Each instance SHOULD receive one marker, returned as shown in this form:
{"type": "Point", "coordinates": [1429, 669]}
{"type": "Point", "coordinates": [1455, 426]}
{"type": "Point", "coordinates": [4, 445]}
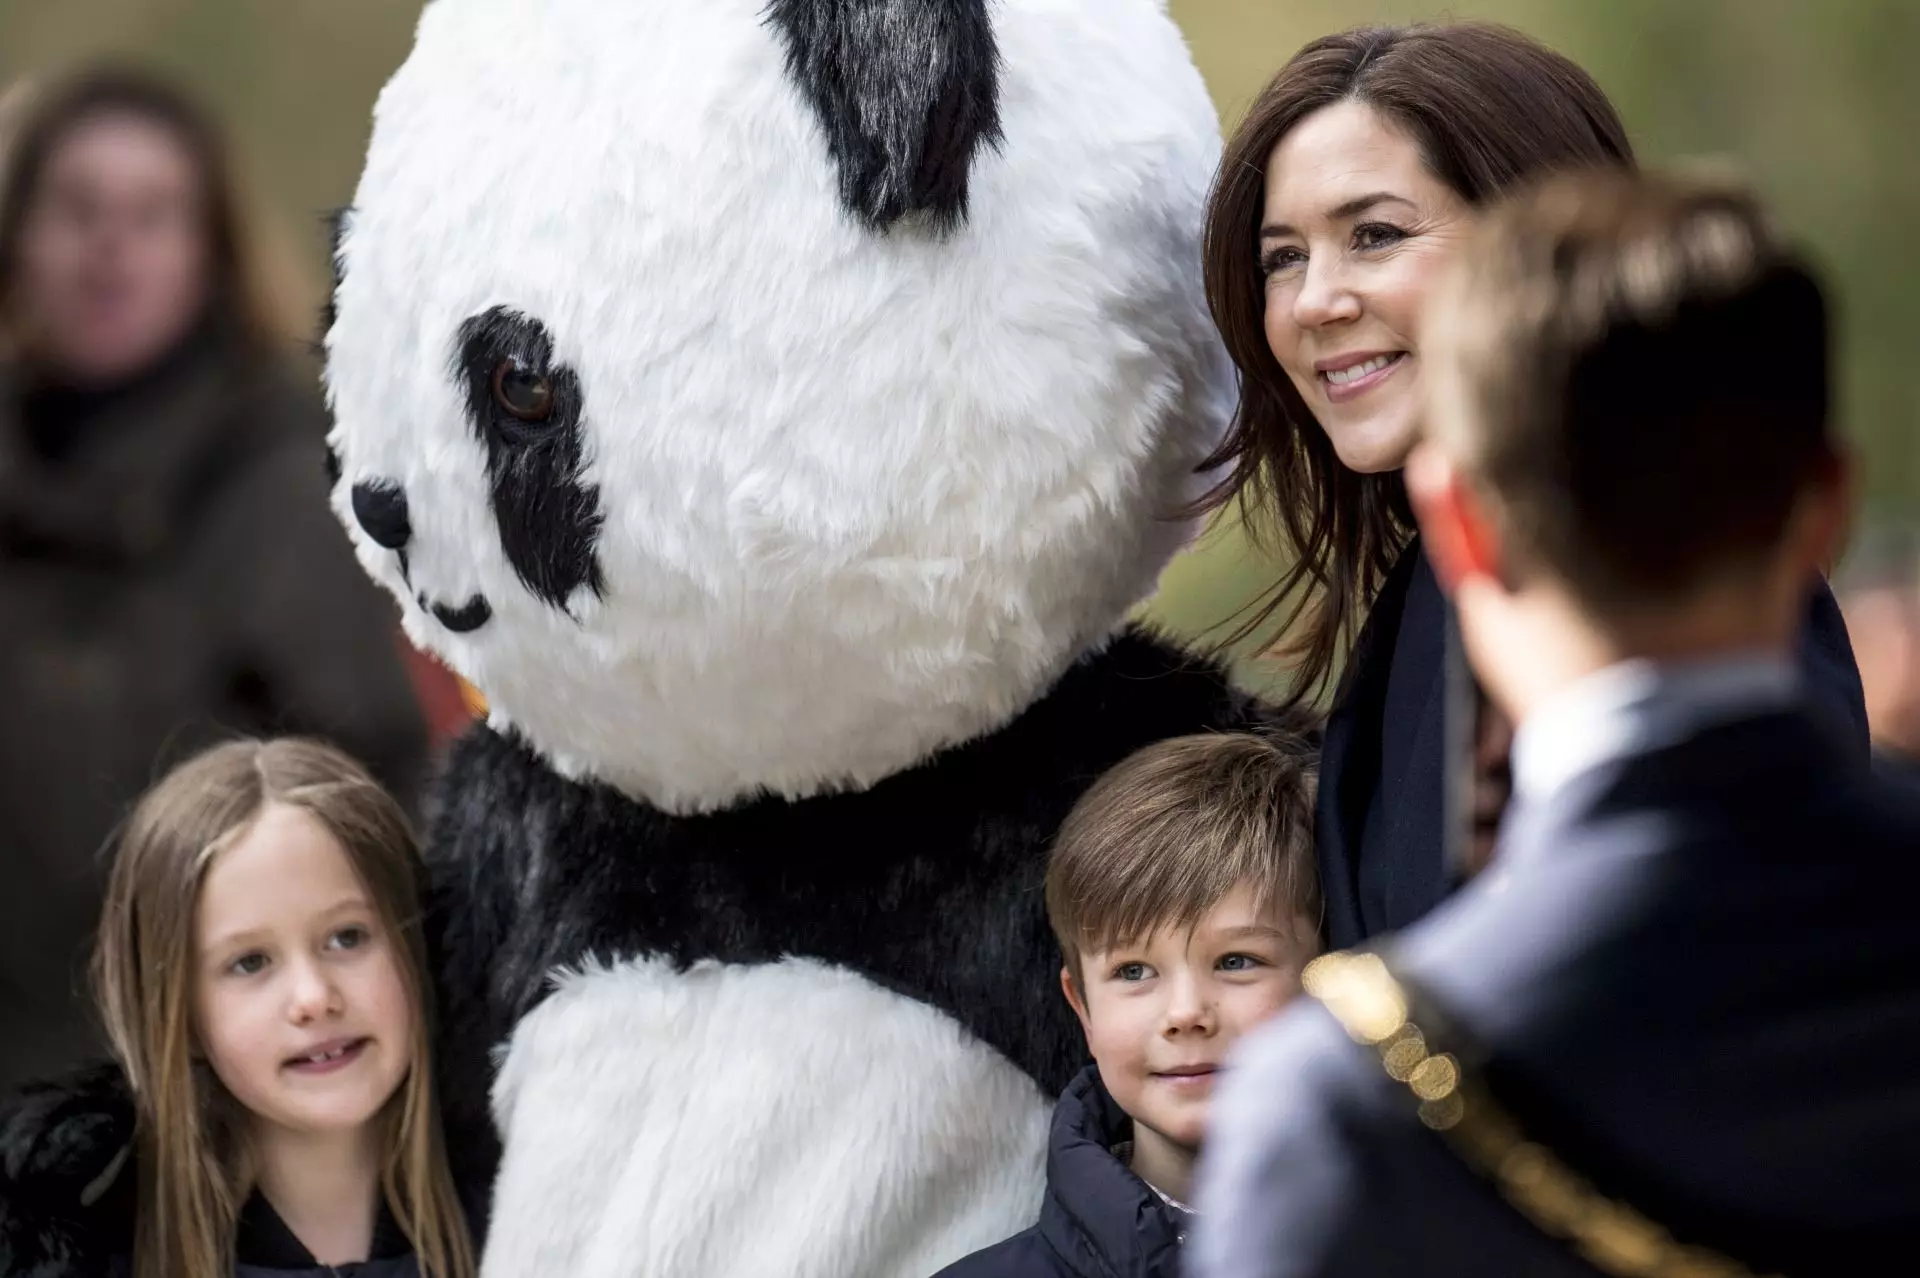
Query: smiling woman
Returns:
{"type": "Point", "coordinates": [1352, 181]}
{"type": "Point", "coordinates": [1354, 230]}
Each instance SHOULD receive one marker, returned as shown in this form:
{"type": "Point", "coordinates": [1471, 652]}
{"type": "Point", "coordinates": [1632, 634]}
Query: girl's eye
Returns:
{"type": "Point", "coordinates": [1131, 972]}
{"type": "Point", "coordinates": [248, 964]}
{"type": "Point", "coordinates": [1373, 235]}
{"type": "Point", "coordinates": [1279, 259]}
{"type": "Point", "coordinates": [1240, 963]}
{"type": "Point", "coordinates": [350, 938]}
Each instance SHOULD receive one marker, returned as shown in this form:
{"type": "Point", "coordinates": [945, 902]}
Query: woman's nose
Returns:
{"type": "Point", "coordinates": [1324, 296]}
{"type": "Point", "coordinates": [381, 509]}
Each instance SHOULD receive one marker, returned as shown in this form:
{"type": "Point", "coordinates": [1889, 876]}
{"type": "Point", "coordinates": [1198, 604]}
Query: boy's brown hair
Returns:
{"type": "Point", "coordinates": [1634, 370]}
{"type": "Point", "coordinates": [1163, 836]}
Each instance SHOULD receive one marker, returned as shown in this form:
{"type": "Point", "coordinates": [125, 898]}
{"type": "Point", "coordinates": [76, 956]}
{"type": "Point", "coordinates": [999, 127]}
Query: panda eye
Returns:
{"type": "Point", "coordinates": [522, 393]}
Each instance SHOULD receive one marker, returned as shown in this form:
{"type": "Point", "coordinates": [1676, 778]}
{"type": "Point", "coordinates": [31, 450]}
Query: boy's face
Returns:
{"type": "Point", "coordinates": [1160, 1014]}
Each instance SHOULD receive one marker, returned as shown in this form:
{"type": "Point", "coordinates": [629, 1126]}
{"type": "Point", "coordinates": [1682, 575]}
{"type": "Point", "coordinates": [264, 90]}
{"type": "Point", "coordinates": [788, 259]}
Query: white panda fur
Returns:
{"type": "Point", "coordinates": [737, 898]}
{"type": "Point", "coordinates": [874, 492]}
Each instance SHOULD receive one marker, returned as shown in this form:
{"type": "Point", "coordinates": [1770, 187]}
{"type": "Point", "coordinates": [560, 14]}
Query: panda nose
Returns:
{"type": "Point", "coordinates": [381, 508]}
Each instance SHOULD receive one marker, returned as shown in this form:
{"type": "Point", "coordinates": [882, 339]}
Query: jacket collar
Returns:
{"type": "Point", "coordinates": [263, 1239]}
{"type": "Point", "coordinates": [1100, 1218]}
{"type": "Point", "coordinates": [1350, 746]}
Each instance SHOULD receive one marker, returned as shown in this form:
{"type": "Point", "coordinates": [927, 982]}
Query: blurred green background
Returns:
{"type": "Point", "coordinates": [1814, 98]}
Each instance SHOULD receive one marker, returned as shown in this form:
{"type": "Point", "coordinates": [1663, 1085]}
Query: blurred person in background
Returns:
{"type": "Point", "coordinates": [1879, 589]}
{"type": "Point", "coordinates": [170, 571]}
{"type": "Point", "coordinates": [13, 100]}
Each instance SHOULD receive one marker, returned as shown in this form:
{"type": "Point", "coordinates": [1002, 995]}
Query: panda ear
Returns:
{"type": "Point", "coordinates": [906, 92]}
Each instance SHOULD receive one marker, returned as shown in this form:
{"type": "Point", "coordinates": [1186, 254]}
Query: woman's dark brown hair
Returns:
{"type": "Point", "coordinates": [1489, 108]}
{"type": "Point", "coordinates": [50, 117]}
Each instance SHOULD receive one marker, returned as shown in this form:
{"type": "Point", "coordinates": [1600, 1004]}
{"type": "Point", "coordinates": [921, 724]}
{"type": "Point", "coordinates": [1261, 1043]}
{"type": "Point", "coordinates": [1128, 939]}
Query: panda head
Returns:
{"type": "Point", "coordinates": [759, 397]}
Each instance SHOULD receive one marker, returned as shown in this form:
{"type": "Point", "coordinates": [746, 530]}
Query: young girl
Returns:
{"type": "Point", "coordinates": [262, 979]}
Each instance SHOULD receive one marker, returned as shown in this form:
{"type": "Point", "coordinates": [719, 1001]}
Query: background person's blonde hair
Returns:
{"type": "Point", "coordinates": [1162, 837]}
{"type": "Point", "coordinates": [190, 1155]}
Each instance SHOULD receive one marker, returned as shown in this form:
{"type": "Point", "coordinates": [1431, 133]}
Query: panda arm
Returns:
{"type": "Point", "coordinates": [477, 870]}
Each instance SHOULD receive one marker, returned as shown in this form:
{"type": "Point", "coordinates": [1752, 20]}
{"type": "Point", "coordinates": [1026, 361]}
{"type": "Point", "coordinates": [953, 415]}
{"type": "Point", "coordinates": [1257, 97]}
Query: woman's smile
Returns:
{"type": "Point", "coordinates": [1347, 377]}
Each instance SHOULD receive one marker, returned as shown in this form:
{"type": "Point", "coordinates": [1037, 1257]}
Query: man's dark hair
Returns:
{"type": "Point", "coordinates": [1636, 369]}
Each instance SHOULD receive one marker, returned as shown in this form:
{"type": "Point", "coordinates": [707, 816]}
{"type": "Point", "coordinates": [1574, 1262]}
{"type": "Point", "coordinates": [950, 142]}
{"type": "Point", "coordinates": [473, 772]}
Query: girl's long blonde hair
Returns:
{"type": "Point", "coordinates": [191, 1155]}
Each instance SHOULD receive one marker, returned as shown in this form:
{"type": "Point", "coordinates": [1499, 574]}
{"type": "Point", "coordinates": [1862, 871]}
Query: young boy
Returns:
{"type": "Point", "coordinates": [1674, 1028]}
{"type": "Point", "coordinates": [1183, 892]}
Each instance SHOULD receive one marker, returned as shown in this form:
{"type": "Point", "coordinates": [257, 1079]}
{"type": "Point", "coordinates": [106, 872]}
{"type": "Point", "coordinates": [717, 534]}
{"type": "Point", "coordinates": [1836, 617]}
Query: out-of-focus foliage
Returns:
{"type": "Point", "coordinates": [1814, 98]}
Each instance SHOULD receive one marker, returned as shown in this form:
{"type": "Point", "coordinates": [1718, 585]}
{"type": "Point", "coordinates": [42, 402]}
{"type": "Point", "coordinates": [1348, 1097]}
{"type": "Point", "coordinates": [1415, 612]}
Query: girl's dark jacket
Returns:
{"type": "Point", "coordinates": [67, 1194]}
{"type": "Point", "coordinates": [1099, 1220]}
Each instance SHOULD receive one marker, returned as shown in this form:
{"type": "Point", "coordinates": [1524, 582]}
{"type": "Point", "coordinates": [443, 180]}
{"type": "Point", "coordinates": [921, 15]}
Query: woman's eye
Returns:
{"type": "Point", "coordinates": [1279, 259]}
{"type": "Point", "coordinates": [521, 392]}
{"type": "Point", "coordinates": [1240, 963]}
{"type": "Point", "coordinates": [248, 965]}
{"type": "Point", "coordinates": [1372, 235]}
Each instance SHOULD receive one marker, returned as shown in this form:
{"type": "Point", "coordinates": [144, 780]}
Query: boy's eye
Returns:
{"type": "Point", "coordinates": [248, 964]}
{"type": "Point", "coordinates": [1131, 972]}
{"type": "Point", "coordinates": [1240, 962]}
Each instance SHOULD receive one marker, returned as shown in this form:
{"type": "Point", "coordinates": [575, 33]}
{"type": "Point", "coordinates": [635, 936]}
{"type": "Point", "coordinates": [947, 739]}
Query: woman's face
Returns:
{"type": "Point", "coordinates": [114, 252]}
{"type": "Point", "coordinates": [1354, 232]}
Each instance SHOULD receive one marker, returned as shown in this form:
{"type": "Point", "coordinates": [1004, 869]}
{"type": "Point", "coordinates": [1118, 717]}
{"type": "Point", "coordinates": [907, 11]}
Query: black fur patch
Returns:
{"type": "Point", "coordinates": [336, 224]}
{"type": "Point", "coordinates": [907, 92]}
{"type": "Point", "coordinates": [65, 1210]}
{"type": "Point", "coordinates": [549, 519]}
{"type": "Point", "coordinates": [333, 467]}
{"type": "Point", "coordinates": [930, 883]}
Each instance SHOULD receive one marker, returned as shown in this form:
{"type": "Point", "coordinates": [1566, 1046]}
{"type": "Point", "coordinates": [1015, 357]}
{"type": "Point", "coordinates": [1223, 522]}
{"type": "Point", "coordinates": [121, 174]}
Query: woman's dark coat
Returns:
{"type": "Point", "coordinates": [1380, 821]}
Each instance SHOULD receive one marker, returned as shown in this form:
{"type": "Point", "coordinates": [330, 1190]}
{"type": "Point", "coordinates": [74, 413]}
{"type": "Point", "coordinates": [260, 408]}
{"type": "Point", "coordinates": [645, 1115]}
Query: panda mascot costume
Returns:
{"type": "Point", "coordinates": [775, 408]}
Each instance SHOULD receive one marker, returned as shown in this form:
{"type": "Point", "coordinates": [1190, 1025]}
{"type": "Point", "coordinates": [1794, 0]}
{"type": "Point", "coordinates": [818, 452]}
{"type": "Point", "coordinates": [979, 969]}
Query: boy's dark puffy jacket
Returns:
{"type": "Point", "coordinates": [1099, 1220]}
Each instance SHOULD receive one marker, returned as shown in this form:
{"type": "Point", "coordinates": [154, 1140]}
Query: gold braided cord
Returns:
{"type": "Point", "coordinates": [1367, 1000]}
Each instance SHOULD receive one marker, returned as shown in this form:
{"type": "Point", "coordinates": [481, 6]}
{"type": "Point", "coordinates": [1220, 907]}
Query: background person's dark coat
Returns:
{"type": "Point", "coordinates": [170, 573]}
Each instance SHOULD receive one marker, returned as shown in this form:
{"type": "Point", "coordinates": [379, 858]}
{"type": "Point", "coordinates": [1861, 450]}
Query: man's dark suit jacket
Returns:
{"type": "Point", "coordinates": [1379, 828]}
{"type": "Point", "coordinates": [1697, 974]}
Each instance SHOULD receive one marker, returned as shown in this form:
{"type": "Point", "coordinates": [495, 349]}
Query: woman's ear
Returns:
{"type": "Point", "coordinates": [906, 94]}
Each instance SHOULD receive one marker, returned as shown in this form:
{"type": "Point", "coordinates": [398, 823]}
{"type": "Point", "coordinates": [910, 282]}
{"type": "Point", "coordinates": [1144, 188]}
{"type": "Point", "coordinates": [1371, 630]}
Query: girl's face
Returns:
{"type": "Point", "coordinates": [1352, 238]}
{"type": "Point", "coordinates": [113, 251]}
{"type": "Point", "coordinates": [300, 1005]}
